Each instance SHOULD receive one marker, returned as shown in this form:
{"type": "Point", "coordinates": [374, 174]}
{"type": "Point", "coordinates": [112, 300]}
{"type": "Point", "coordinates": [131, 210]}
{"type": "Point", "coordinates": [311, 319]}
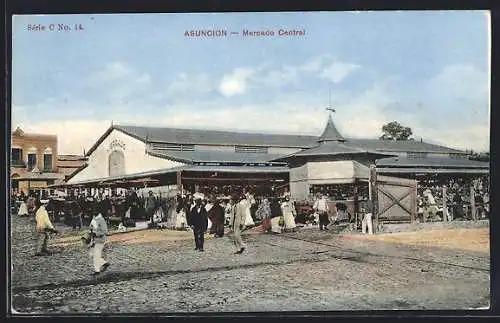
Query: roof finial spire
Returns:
{"type": "Point", "coordinates": [329, 107]}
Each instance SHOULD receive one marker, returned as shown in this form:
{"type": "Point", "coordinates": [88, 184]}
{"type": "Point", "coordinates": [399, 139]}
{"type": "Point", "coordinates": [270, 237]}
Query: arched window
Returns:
{"type": "Point", "coordinates": [116, 163]}
{"type": "Point", "coordinates": [31, 158]}
{"type": "Point", "coordinates": [47, 159]}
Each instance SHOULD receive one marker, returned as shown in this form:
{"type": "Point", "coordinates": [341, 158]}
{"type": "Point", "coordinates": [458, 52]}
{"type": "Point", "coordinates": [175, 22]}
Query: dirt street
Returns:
{"type": "Point", "coordinates": [159, 271]}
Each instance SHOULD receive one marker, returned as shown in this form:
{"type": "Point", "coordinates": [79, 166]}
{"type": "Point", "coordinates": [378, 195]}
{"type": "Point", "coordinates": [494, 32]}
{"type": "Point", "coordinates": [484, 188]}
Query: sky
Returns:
{"type": "Point", "coordinates": [427, 70]}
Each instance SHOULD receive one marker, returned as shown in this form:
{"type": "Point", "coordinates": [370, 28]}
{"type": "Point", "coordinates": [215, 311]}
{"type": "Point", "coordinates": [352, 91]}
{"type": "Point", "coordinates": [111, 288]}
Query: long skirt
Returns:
{"type": "Point", "coordinates": [23, 210]}
{"type": "Point", "coordinates": [289, 220]}
{"type": "Point", "coordinates": [180, 220]}
{"type": "Point", "coordinates": [275, 226]}
{"type": "Point", "coordinates": [248, 218]}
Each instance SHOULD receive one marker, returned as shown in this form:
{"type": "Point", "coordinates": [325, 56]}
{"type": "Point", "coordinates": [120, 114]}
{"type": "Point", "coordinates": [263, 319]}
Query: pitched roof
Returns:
{"type": "Point", "coordinates": [429, 162]}
{"type": "Point", "coordinates": [330, 133]}
{"type": "Point", "coordinates": [214, 157]}
{"type": "Point", "coordinates": [399, 145]}
{"type": "Point", "coordinates": [218, 137]}
{"type": "Point", "coordinates": [425, 170]}
{"type": "Point", "coordinates": [215, 137]}
{"type": "Point", "coordinates": [333, 148]}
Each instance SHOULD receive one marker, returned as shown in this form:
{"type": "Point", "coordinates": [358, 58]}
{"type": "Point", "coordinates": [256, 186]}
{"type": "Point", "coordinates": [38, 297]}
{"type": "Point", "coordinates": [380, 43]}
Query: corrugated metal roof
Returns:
{"type": "Point", "coordinates": [215, 156]}
{"type": "Point", "coordinates": [333, 148]}
{"type": "Point", "coordinates": [216, 137]}
{"type": "Point", "coordinates": [330, 133]}
{"type": "Point", "coordinates": [219, 137]}
{"type": "Point", "coordinates": [442, 162]}
{"type": "Point", "coordinates": [399, 145]}
{"type": "Point", "coordinates": [422, 170]}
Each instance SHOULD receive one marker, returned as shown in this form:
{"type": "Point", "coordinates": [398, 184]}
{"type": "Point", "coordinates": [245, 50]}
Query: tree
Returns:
{"type": "Point", "coordinates": [395, 131]}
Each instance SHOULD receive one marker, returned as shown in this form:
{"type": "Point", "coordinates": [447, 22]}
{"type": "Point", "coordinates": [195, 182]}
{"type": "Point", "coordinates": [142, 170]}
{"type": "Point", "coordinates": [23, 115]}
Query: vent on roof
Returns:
{"type": "Point", "coordinates": [172, 147]}
{"type": "Point", "coordinates": [416, 155]}
{"type": "Point", "coordinates": [251, 149]}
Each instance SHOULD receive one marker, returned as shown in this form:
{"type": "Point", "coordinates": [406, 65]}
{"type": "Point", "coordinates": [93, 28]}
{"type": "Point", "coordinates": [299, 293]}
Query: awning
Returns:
{"type": "Point", "coordinates": [146, 177]}
{"type": "Point", "coordinates": [426, 171]}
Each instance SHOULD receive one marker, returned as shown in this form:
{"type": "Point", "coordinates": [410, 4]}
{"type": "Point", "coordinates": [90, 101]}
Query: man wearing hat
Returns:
{"type": "Point", "coordinates": [198, 220]}
{"type": "Point", "coordinates": [150, 206]}
{"type": "Point", "coordinates": [321, 206]}
{"type": "Point", "coordinates": [98, 233]}
{"type": "Point", "coordinates": [238, 215]}
{"type": "Point", "coordinates": [43, 228]}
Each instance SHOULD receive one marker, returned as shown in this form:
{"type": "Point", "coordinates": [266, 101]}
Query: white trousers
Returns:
{"type": "Point", "coordinates": [95, 254]}
{"type": "Point", "coordinates": [367, 224]}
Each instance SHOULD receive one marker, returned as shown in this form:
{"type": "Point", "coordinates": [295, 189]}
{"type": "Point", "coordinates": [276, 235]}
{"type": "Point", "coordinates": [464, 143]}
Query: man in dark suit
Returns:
{"type": "Point", "coordinates": [198, 220]}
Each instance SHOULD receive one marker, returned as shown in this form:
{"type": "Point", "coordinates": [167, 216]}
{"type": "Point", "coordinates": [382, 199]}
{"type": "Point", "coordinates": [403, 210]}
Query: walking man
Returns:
{"type": "Point", "coordinates": [367, 224]}
{"type": "Point", "coordinates": [150, 206]}
{"type": "Point", "coordinates": [43, 228]}
{"type": "Point", "coordinates": [321, 207]}
{"type": "Point", "coordinates": [238, 215]}
{"type": "Point", "coordinates": [98, 232]}
{"type": "Point", "coordinates": [198, 220]}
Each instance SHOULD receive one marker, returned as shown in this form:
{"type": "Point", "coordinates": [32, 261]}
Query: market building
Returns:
{"type": "Point", "coordinates": [191, 159]}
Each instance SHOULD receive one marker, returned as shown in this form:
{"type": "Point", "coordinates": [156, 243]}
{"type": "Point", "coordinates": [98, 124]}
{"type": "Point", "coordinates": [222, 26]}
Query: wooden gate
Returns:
{"type": "Point", "coordinates": [396, 199]}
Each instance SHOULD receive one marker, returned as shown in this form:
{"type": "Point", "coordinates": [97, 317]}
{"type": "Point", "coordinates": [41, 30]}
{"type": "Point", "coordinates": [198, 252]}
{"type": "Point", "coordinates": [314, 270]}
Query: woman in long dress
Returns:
{"type": "Point", "coordinates": [23, 209]}
{"type": "Point", "coordinates": [264, 213]}
{"type": "Point", "coordinates": [248, 215]}
{"type": "Point", "coordinates": [288, 214]}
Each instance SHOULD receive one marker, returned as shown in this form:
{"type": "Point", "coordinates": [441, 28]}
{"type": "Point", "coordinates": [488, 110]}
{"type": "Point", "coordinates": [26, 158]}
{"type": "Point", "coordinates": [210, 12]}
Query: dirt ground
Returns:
{"type": "Point", "coordinates": [477, 240]}
{"type": "Point", "coordinates": [308, 270]}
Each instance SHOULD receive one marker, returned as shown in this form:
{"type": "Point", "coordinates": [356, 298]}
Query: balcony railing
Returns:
{"type": "Point", "coordinates": [17, 163]}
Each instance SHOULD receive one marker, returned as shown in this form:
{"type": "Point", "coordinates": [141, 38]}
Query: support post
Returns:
{"type": "Point", "coordinates": [472, 201]}
{"type": "Point", "coordinates": [413, 214]}
{"type": "Point", "coordinates": [445, 208]}
{"type": "Point", "coordinates": [179, 182]}
{"type": "Point", "coordinates": [374, 197]}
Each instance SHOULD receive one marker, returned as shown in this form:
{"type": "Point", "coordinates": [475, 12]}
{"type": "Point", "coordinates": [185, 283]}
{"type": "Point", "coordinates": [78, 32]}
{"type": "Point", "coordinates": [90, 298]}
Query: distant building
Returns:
{"type": "Point", "coordinates": [35, 163]}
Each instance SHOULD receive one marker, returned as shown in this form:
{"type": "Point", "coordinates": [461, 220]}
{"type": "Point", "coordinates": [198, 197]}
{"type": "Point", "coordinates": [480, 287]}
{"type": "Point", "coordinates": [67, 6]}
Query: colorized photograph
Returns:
{"type": "Point", "coordinates": [250, 162]}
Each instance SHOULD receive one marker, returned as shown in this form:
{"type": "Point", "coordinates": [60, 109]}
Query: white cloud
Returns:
{"type": "Point", "coordinates": [338, 71]}
{"type": "Point", "coordinates": [190, 85]}
{"type": "Point", "coordinates": [459, 81]}
{"type": "Point", "coordinates": [315, 63]}
{"type": "Point", "coordinates": [119, 81]}
{"type": "Point", "coordinates": [280, 77]}
{"type": "Point", "coordinates": [236, 82]}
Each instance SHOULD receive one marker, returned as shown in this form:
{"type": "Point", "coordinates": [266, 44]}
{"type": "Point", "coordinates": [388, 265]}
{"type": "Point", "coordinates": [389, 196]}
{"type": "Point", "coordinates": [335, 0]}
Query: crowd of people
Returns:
{"type": "Point", "coordinates": [458, 199]}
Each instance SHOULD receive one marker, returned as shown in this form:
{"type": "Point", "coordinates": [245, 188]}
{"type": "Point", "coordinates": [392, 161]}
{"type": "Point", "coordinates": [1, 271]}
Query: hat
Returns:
{"type": "Point", "coordinates": [44, 201]}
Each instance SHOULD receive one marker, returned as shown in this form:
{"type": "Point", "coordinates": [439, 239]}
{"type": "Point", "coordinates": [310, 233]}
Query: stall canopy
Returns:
{"type": "Point", "coordinates": [168, 176]}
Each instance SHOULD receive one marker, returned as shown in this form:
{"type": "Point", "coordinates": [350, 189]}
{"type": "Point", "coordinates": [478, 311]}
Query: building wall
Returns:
{"type": "Point", "coordinates": [136, 159]}
{"type": "Point", "coordinates": [299, 190]}
{"type": "Point", "coordinates": [40, 143]}
{"type": "Point", "coordinates": [342, 169]}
